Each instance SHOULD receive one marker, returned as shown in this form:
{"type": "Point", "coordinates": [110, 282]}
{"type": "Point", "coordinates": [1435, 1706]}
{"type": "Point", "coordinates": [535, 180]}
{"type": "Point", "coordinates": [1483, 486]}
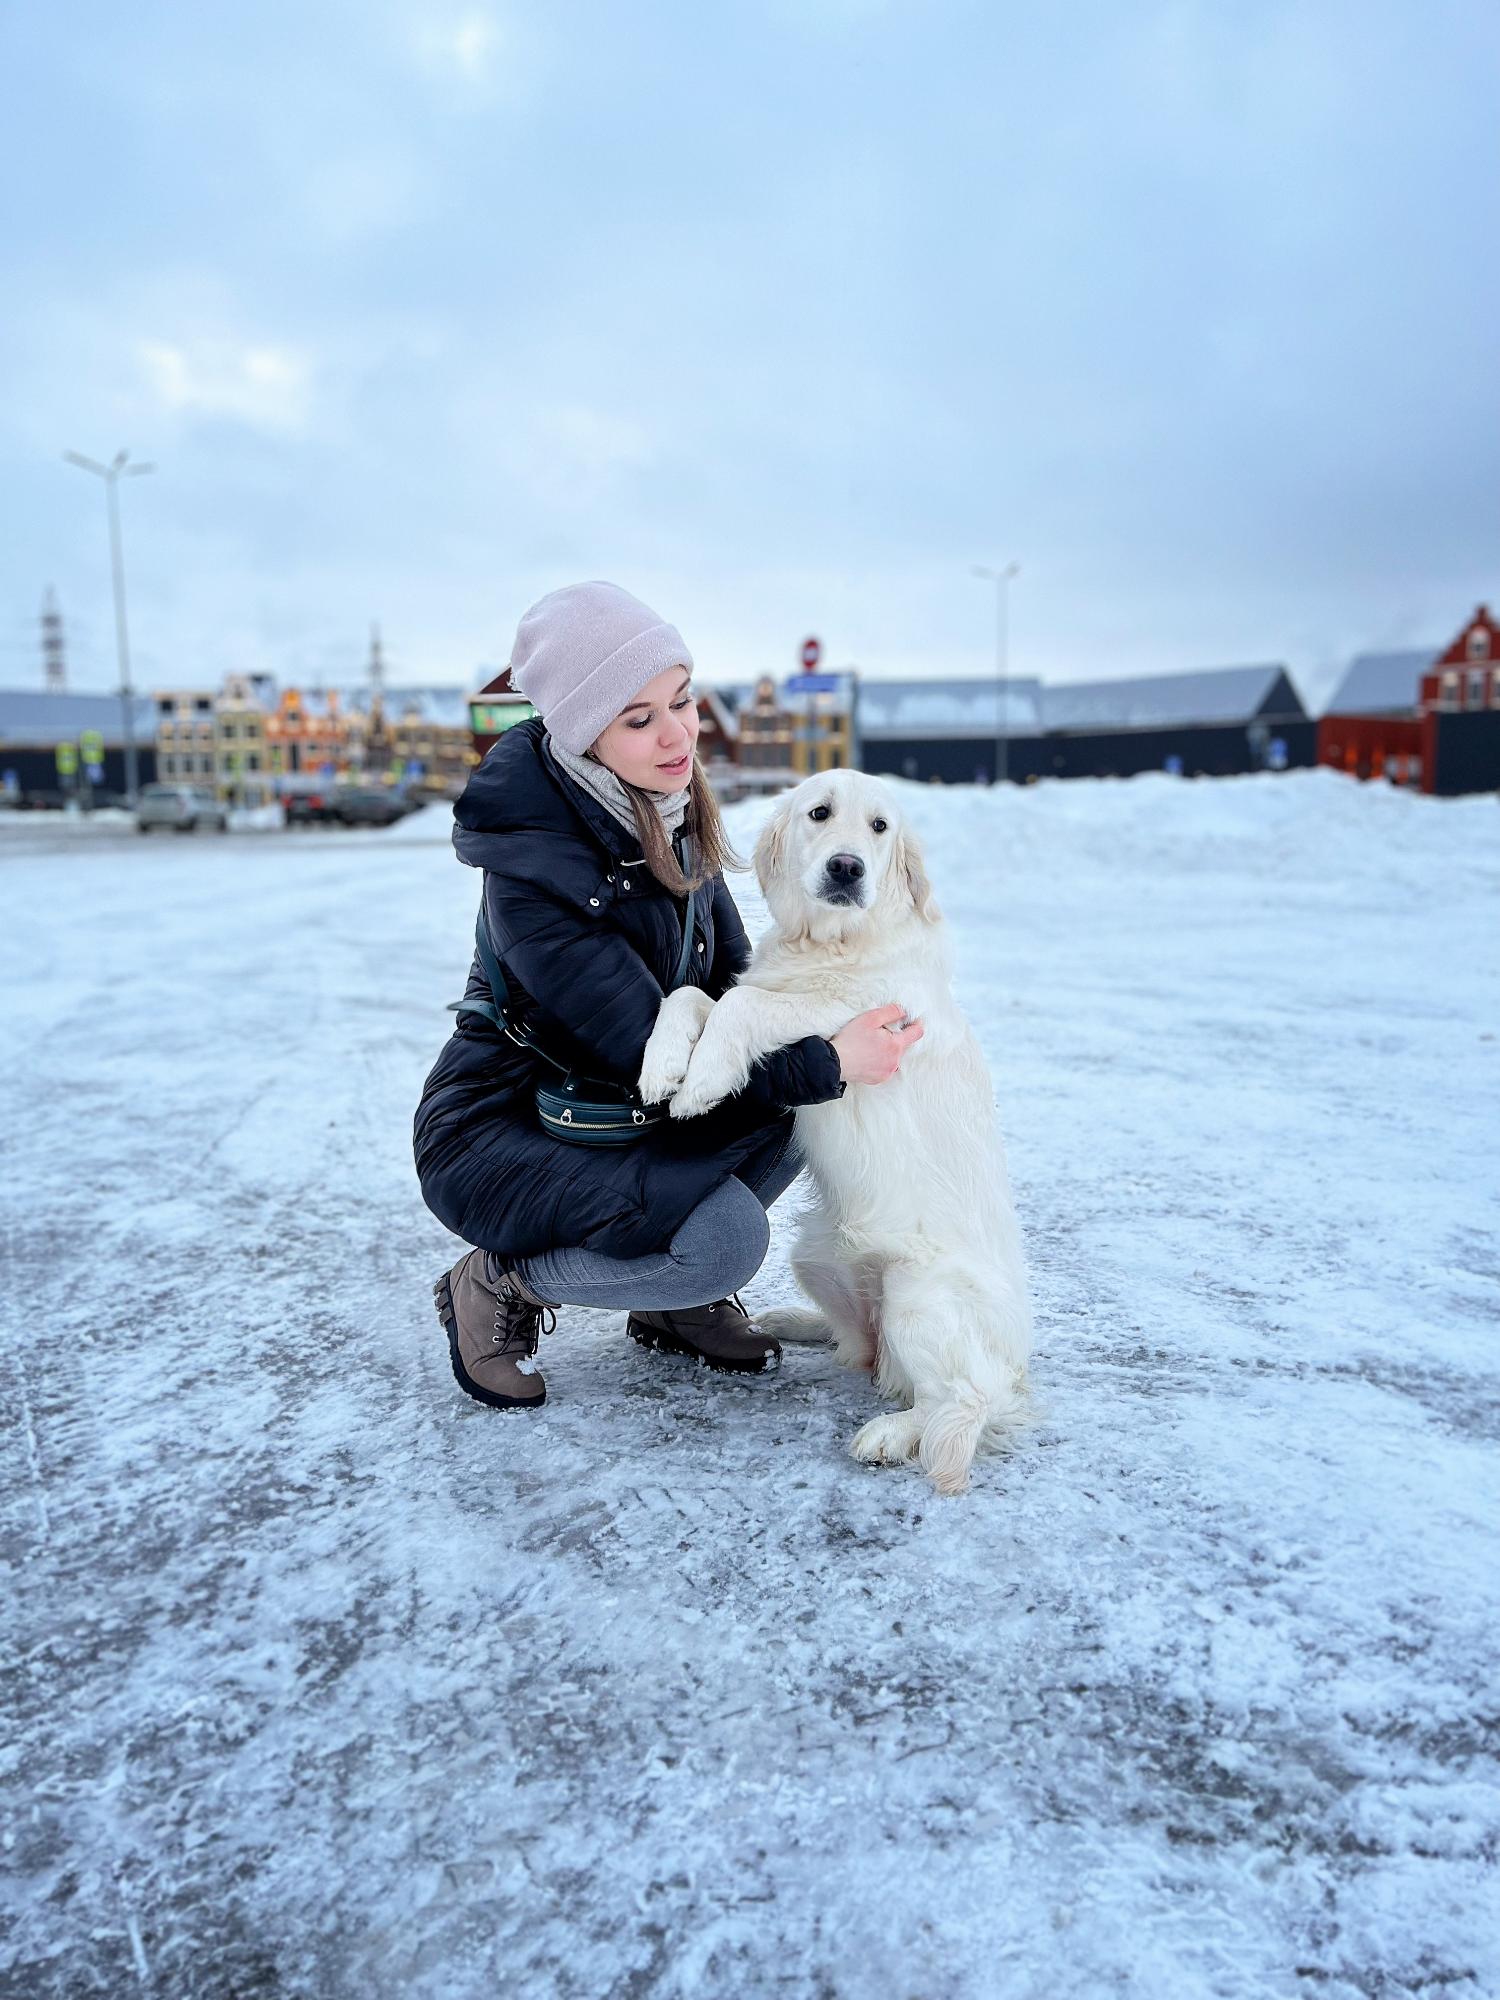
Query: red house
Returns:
{"type": "Point", "coordinates": [1467, 676]}
{"type": "Point", "coordinates": [1426, 719]}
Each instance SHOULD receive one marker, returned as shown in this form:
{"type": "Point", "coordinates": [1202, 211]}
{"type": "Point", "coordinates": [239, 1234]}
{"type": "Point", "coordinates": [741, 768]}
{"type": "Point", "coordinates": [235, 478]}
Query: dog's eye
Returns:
{"type": "Point", "coordinates": [878, 824]}
{"type": "Point", "coordinates": [819, 812]}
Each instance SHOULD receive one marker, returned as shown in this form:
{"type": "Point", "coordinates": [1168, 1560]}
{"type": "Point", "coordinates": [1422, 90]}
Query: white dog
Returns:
{"type": "Point", "coordinates": [912, 1252]}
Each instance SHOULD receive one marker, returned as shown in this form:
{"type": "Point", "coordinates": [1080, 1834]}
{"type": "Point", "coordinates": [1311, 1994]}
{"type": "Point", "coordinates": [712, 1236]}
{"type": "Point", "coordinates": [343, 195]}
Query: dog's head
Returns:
{"type": "Point", "coordinates": [835, 852]}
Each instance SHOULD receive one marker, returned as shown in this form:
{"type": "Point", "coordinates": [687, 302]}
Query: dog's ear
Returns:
{"type": "Point", "coordinates": [913, 874]}
{"type": "Point", "coordinates": [770, 849]}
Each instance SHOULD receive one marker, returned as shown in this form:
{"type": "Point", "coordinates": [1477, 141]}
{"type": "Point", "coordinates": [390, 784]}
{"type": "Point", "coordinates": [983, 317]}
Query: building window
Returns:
{"type": "Point", "coordinates": [1477, 680]}
{"type": "Point", "coordinates": [206, 766]}
{"type": "Point", "coordinates": [168, 767]}
{"type": "Point", "coordinates": [230, 732]}
{"type": "Point", "coordinates": [164, 704]}
{"type": "Point", "coordinates": [1448, 691]}
{"type": "Point", "coordinates": [253, 761]}
{"type": "Point", "coordinates": [203, 703]}
{"type": "Point", "coordinates": [1479, 644]}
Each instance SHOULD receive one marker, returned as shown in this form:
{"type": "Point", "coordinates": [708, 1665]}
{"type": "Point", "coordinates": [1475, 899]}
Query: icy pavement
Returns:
{"type": "Point", "coordinates": [323, 1681]}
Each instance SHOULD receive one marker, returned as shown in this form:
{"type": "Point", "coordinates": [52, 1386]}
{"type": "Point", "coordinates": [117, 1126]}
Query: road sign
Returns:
{"type": "Point", "coordinates": [812, 652]}
{"type": "Point", "coordinates": [813, 684]}
{"type": "Point", "coordinates": [67, 760]}
{"type": "Point", "coordinates": [91, 744]}
{"type": "Point", "coordinates": [325, 770]}
{"type": "Point", "coordinates": [415, 768]}
{"type": "Point", "coordinates": [94, 773]}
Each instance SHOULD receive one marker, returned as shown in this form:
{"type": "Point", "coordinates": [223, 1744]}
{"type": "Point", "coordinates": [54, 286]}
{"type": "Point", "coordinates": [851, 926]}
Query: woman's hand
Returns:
{"type": "Point", "coordinates": [870, 1048]}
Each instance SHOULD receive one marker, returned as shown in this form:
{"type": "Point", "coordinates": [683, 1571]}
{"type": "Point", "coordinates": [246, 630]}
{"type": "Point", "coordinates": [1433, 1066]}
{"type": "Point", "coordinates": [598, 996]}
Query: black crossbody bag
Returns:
{"type": "Point", "coordinates": [584, 1110]}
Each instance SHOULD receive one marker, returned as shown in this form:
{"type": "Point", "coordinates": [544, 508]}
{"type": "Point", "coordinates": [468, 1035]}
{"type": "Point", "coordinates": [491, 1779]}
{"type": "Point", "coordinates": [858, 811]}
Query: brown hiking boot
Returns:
{"type": "Point", "coordinates": [723, 1335]}
{"type": "Point", "coordinates": [494, 1325]}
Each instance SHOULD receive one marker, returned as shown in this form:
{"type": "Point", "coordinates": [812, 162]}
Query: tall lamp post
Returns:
{"type": "Point", "coordinates": [1001, 579]}
{"type": "Point", "coordinates": [110, 474]}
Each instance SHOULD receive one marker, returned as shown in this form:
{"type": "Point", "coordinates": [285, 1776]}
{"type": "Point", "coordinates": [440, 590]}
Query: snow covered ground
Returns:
{"type": "Point", "coordinates": [323, 1681]}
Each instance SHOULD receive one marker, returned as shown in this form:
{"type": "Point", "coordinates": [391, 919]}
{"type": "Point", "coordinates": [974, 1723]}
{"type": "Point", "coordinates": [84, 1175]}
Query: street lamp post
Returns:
{"type": "Point", "coordinates": [1001, 579]}
{"type": "Point", "coordinates": [110, 474]}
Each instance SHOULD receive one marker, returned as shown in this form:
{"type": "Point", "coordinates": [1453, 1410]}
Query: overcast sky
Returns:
{"type": "Point", "coordinates": [781, 313]}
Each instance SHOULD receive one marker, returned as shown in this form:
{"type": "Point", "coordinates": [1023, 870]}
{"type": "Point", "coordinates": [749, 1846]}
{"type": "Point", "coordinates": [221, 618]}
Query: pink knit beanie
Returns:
{"type": "Point", "coordinates": [584, 651]}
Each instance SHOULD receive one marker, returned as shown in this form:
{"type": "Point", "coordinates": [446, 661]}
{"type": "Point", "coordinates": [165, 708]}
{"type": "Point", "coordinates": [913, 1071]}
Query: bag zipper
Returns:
{"type": "Point", "coordinates": [635, 1123]}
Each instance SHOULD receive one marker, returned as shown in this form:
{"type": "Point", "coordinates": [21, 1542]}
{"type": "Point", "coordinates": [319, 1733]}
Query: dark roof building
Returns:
{"type": "Point", "coordinates": [42, 718]}
{"type": "Point", "coordinates": [1210, 722]}
{"type": "Point", "coordinates": [34, 721]}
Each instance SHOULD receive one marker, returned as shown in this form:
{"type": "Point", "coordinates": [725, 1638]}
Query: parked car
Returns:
{"type": "Point", "coordinates": [361, 805]}
{"type": "Point", "coordinates": [307, 808]}
{"type": "Point", "coordinates": [179, 807]}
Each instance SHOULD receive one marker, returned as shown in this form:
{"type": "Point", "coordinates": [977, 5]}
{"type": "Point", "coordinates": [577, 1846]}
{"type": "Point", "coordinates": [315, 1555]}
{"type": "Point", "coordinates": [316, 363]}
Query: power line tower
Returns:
{"type": "Point", "coordinates": [54, 659]}
{"type": "Point", "coordinates": [377, 748]}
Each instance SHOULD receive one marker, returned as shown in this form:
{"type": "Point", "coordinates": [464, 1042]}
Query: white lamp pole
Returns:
{"type": "Point", "coordinates": [1001, 579]}
{"type": "Point", "coordinates": [110, 474]}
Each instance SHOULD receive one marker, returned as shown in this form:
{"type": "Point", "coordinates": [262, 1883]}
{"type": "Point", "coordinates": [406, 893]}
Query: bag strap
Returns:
{"type": "Point", "coordinates": [689, 923]}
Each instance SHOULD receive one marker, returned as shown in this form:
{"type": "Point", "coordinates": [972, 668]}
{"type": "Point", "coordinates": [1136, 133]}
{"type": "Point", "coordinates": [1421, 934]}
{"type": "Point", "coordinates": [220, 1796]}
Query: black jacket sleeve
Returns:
{"type": "Point", "coordinates": [805, 1072]}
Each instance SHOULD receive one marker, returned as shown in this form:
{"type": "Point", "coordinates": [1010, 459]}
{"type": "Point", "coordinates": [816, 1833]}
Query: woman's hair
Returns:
{"type": "Point", "coordinates": [714, 853]}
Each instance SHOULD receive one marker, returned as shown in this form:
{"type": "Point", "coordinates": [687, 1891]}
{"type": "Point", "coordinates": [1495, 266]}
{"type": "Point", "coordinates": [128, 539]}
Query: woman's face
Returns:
{"type": "Point", "coordinates": [650, 743]}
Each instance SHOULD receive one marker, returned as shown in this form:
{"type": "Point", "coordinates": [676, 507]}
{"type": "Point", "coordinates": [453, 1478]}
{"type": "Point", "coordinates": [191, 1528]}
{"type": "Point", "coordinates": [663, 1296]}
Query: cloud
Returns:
{"type": "Point", "coordinates": [460, 44]}
{"type": "Point", "coordinates": [264, 386]}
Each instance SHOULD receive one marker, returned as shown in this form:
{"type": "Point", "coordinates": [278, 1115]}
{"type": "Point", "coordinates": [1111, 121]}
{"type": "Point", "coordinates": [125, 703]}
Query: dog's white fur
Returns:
{"type": "Point", "coordinates": [912, 1253]}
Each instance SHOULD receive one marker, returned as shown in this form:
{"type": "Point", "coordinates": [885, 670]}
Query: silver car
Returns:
{"type": "Point", "coordinates": [179, 807]}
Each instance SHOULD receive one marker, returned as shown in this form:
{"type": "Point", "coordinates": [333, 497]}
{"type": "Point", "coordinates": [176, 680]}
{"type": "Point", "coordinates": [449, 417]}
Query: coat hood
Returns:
{"type": "Point", "coordinates": [521, 789]}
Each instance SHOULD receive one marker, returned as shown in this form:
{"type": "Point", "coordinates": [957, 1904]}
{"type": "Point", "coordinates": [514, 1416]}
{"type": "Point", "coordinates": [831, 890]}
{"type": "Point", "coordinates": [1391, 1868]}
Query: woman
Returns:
{"type": "Point", "coordinates": [593, 823]}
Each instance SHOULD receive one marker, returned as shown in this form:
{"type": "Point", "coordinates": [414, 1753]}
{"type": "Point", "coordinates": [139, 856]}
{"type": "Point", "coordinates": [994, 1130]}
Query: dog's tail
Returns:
{"type": "Point", "coordinates": [956, 1428]}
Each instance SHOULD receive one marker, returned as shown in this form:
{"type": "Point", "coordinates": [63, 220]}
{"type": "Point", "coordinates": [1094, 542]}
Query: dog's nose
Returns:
{"type": "Point", "coordinates": [845, 867]}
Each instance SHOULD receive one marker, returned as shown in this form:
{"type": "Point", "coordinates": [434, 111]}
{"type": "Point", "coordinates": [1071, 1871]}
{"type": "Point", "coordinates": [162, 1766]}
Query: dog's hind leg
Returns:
{"type": "Point", "coordinates": [795, 1326]}
{"type": "Point", "coordinates": [852, 1323]}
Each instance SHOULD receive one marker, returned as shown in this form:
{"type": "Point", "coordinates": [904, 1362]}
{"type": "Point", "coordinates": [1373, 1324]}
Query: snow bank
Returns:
{"type": "Point", "coordinates": [257, 819]}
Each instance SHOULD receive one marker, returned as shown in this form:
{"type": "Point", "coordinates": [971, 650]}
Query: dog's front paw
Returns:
{"type": "Point", "coordinates": [889, 1440]}
{"type": "Point", "coordinates": [710, 1079]}
{"type": "Point", "coordinates": [663, 1066]}
{"type": "Point", "coordinates": [696, 1095]}
{"type": "Point", "coordinates": [664, 1062]}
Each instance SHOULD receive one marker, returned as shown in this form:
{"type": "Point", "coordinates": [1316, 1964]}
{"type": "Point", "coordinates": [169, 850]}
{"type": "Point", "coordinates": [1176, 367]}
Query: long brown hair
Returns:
{"type": "Point", "coordinates": [714, 853]}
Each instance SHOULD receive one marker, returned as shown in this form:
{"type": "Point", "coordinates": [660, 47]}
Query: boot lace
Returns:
{"type": "Point", "coordinates": [519, 1324]}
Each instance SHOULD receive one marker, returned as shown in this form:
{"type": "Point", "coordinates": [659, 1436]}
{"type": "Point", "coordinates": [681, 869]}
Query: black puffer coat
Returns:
{"type": "Point", "coordinates": [588, 940]}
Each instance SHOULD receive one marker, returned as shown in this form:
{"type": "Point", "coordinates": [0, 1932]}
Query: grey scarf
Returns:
{"type": "Point", "coordinates": [601, 783]}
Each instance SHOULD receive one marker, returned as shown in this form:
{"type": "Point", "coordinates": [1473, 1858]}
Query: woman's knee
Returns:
{"type": "Point", "coordinates": [726, 1238]}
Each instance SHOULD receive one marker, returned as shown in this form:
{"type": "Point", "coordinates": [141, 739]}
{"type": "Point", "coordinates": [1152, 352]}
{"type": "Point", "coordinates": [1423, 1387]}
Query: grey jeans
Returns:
{"type": "Point", "coordinates": [720, 1247]}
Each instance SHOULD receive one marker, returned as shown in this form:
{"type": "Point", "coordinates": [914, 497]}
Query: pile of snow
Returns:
{"type": "Point", "coordinates": [65, 819]}
{"type": "Point", "coordinates": [257, 819]}
{"type": "Point", "coordinates": [324, 1680]}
